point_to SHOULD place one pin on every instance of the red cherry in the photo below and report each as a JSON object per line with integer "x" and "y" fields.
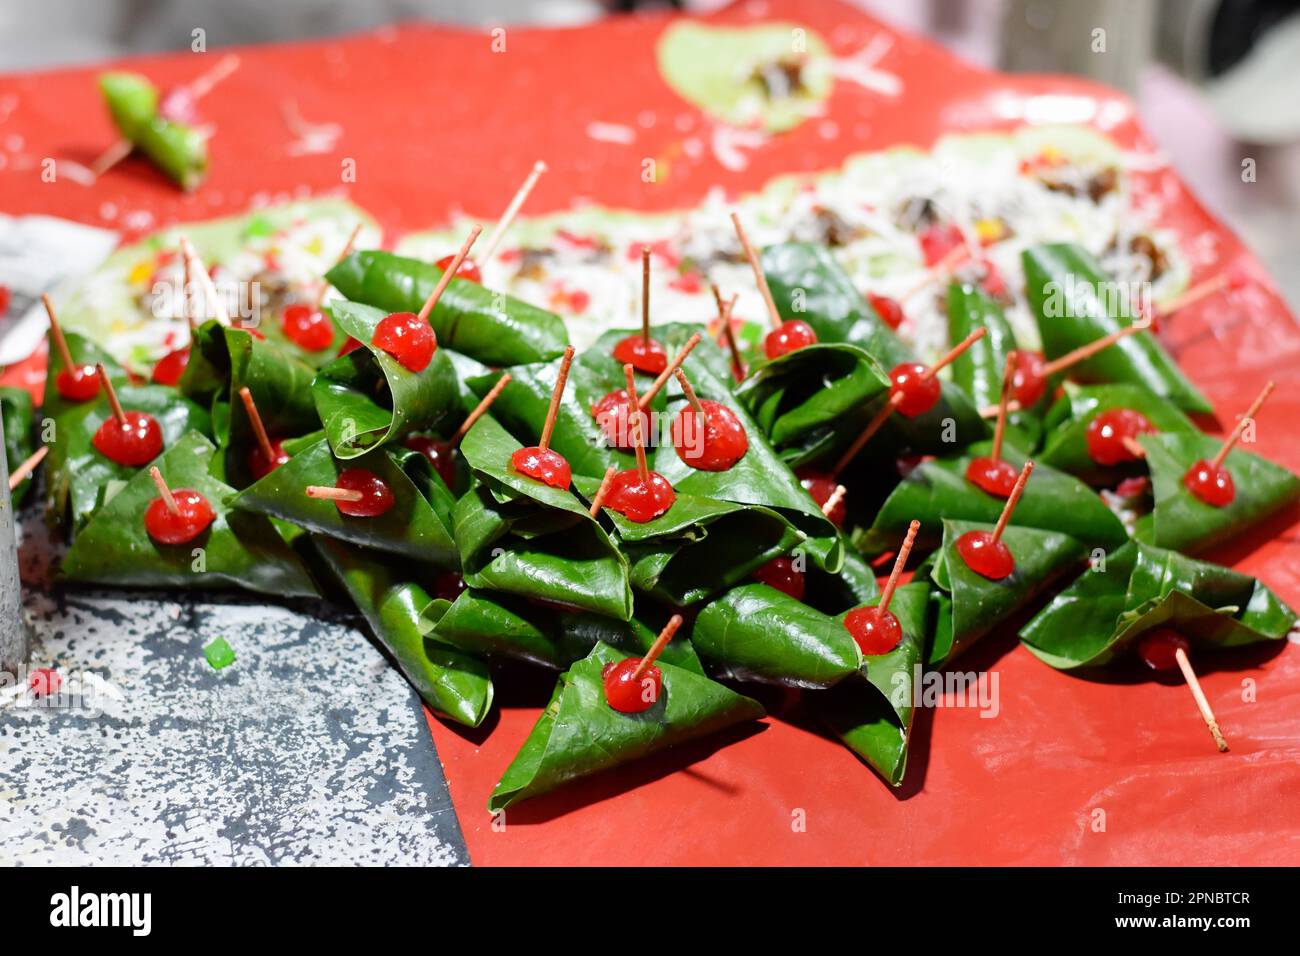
{"x": 193, "y": 515}
{"x": 821, "y": 486}
{"x": 307, "y": 328}
{"x": 134, "y": 442}
{"x": 890, "y": 312}
{"x": 1157, "y": 648}
{"x": 793, "y": 334}
{"x": 259, "y": 467}
{"x": 376, "y": 498}
{"x": 780, "y": 573}
{"x": 920, "y": 394}
{"x": 644, "y": 355}
{"x": 79, "y": 384}
{"x": 1028, "y": 383}
{"x": 349, "y": 345}
{"x": 938, "y": 241}
{"x": 997, "y": 477}
{"x": 44, "y": 681}
{"x": 986, "y": 557}
{"x": 613, "y": 415}
{"x": 626, "y": 695}
{"x": 548, "y": 467}
{"x": 171, "y": 367}
{"x": 715, "y": 447}
{"x": 407, "y": 338}
{"x": 992, "y": 282}
{"x": 468, "y": 268}
{"x": 1211, "y": 483}
{"x": 439, "y": 453}
{"x": 874, "y": 630}
{"x": 449, "y": 585}
{"x": 1107, "y": 431}
{"x": 638, "y": 500}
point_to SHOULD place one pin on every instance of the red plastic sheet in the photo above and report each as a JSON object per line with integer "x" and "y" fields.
{"x": 1069, "y": 771}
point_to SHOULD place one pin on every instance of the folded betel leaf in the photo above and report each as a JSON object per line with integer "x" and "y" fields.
{"x": 486, "y": 622}
{"x": 808, "y": 284}
{"x": 391, "y": 595}
{"x": 579, "y": 734}
{"x": 979, "y": 370}
{"x": 19, "y": 443}
{"x": 1184, "y": 522}
{"x": 367, "y": 397}
{"x": 178, "y": 149}
{"x": 418, "y": 525}
{"x": 238, "y": 549}
{"x": 969, "y": 605}
{"x": 1098, "y": 619}
{"x": 79, "y": 478}
{"x": 803, "y": 399}
{"x": 1076, "y": 303}
{"x": 939, "y": 488}
{"x": 700, "y": 546}
{"x": 225, "y": 360}
{"x": 872, "y": 714}
{"x": 488, "y": 326}
{"x": 760, "y": 478}
{"x": 755, "y": 632}
{"x": 1066, "y": 425}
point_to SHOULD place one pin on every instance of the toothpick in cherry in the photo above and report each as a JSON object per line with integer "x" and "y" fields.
{"x": 785, "y": 336}
{"x": 1164, "y": 649}
{"x": 442, "y": 454}
{"x": 74, "y": 382}
{"x": 307, "y": 325}
{"x": 639, "y": 494}
{"x": 128, "y": 438}
{"x": 634, "y": 684}
{"x": 641, "y": 351}
{"x": 540, "y": 462}
{"x": 991, "y": 473}
{"x": 985, "y": 552}
{"x": 465, "y": 268}
{"x": 1211, "y": 481}
{"x": 876, "y": 629}
{"x": 176, "y": 516}
{"x": 707, "y": 435}
{"x": 356, "y": 492}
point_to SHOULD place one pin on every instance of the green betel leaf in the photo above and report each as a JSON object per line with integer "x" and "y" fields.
{"x": 483, "y": 622}
{"x": 579, "y": 734}
{"x": 755, "y": 632}
{"x": 540, "y": 553}
{"x": 873, "y": 715}
{"x": 79, "y": 480}
{"x": 1185, "y": 523}
{"x": 1098, "y": 618}
{"x": 367, "y": 397}
{"x": 178, "y": 150}
{"x": 225, "y": 360}
{"x": 417, "y": 526}
{"x": 19, "y": 438}
{"x": 393, "y": 600}
{"x": 970, "y": 605}
{"x": 1065, "y": 446}
{"x": 488, "y": 326}
{"x": 238, "y": 549}
{"x": 1075, "y": 303}
{"x": 938, "y": 489}
{"x": 802, "y": 399}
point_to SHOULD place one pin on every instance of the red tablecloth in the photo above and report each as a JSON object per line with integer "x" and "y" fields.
{"x": 1070, "y": 770}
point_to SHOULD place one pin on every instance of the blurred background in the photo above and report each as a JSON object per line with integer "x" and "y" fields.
{"x": 1216, "y": 81}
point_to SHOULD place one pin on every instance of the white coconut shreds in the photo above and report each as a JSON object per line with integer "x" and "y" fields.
{"x": 585, "y": 263}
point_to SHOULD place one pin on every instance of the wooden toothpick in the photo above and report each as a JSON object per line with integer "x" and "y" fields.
{"x": 556, "y": 394}
{"x": 1014, "y": 497}
{"x": 29, "y": 464}
{"x": 259, "y": 430}
{"x": 113, "y": 403}
{"x": 759, "y": 278}
{"x": 480, "y": 410}
{"x": 1075, "y": 356}
{"x": 1202, "y": 703}
{"x": 668, "y": 372}
{"x": 887, "y": 594}
{"x": 330, "y": 493}
{"x": 347, "y": 251}
{"x": 657, "y": 647}
{"x": 999, "y": 430}
{"x": 873, "y": 426}
{"x": 634, "y": 422}
{"x": 448, "y": 274}
{"x": 205, "y": 280}
{"x": 1242, "y": 422}
{"x": 507, "y": 217}
{"x": 56, "y": 333}
{"x": 691, "y": 397}
{"x": 645, "y": 294}
{"x": 164, "y": 492}
{"x": 952, "y": 354}
{"x": 598, "y": 501}
{"x": 729, "y": 334}
{"x": 833, "y": 502}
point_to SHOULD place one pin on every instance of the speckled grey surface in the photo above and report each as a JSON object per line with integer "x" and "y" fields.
{"x": 309, "y": 749}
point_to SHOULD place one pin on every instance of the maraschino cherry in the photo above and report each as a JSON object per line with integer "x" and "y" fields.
{"x": 634, "y": 684}
{"x": 266, "y": 455}
{"x": 442, "y": 454}
{"x": 75, "y": 383}
{"x": 782, "y": 574}
{"x": 824, "y": 487}
{"x": 356, "y": 492}
{"x": 540, "y": 462}
{"x": 940, "y": 242}
{"x": 1210, "y": 481}
{"x": 126, "y": 437}
{"x": 307, "y": 327}
{"x": 889, "y": 310}
{"x": 992, "y": 473}
{"x": 876, "y": 629}
{"x": 171, "y": 367}
{"x": 706, "y": 434}
{"x": 1112, "y": 436}
{"x": 786, "y": 336}
{"x": 640, "y": 351}
{"x": 613, "y": 411}
{"x": 466, "y": 268}
{"x": 1163, "y": 649}
{"x": 449, "y": 585}
{"x": 176, "y": 516}
{"x": 985, "y": 552}
{"x": 639, "y": 494}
